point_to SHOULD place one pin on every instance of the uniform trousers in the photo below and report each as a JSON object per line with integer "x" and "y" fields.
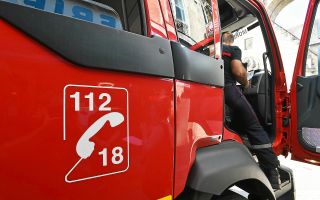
{"x": 251, "y": 126}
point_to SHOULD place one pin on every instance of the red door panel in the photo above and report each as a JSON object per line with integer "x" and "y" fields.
{"x": 199, "y": 123}
{"x": 35, "y": 157}
{"x": 305, "y": 97}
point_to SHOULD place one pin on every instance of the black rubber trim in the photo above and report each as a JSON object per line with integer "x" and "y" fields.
{"x": 218, "y": 167}
{"x": 196, "y": 67}
{"x": 91, "y": 45}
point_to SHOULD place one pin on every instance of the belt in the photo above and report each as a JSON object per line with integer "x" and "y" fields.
{"x": 229, "y": 84}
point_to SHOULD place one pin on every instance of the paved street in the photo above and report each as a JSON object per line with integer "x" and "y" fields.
{"x": 307, "y": 178}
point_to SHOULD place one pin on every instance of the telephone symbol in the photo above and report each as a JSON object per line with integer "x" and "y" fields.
{"x": 85, "y": 147}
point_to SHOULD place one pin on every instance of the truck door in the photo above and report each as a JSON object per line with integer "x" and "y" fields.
{"x": 305, "y": 92}
{"x": 87, "y": 103}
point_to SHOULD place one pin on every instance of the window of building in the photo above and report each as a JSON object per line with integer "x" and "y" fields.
{"x": 248, "y": 43}
{"x": 180, "y": 15}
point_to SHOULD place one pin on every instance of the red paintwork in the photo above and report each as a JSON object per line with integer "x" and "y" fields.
{"x": 202, "y": 43}
{"x": 199, "y": 116}
{"x": 33, "y": 155}
{"x": 298, "y": 152}
{"x": 169, "y": 119}
{"x": 229, "y": 135}
{"x": 216, "y": 29}
{"x": 155, "y": 21}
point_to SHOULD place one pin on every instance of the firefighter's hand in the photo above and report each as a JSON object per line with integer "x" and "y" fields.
{"x": 246, "y": 86}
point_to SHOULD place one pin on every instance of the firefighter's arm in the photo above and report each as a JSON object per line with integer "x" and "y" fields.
{"x": 239, "y": 72}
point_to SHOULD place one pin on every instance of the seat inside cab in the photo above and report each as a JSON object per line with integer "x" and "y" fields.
{"x": 240, "y": 20}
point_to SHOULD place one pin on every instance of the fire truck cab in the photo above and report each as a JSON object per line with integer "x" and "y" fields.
{"x": 123, "y": 99}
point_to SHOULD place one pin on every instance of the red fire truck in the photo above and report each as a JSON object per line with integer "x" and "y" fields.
{"x": 123, "y": 99}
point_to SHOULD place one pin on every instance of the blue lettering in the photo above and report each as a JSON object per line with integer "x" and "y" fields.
{"x": 59, "y": 7}
{"x": 35, "y": 3}
{"x": 82, "y": 13}
{"x": 108, "y": 21}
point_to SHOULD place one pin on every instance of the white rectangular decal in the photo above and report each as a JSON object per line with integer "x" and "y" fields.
{"x": 96, "y": 130}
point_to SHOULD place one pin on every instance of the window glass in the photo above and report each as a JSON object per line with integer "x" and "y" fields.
{"x": 312, "y": 60}
{"x": 123, "y": 15}
{"x": 129, "y": 12}
{"x": 134, "y": 17}
{"x": 250, "y": 40}
{"x": 288, "y": 25}
{"x": 193, "y": 19}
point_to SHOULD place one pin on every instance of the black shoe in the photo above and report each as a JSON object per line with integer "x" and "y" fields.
{"x": 274, "y": 178}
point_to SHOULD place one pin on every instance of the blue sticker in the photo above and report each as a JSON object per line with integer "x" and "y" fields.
{"x": 108, "y": 21}
{"x": 59, "y": 7}
{"x": 82, "y": 13}
{"x": 35, "y": 3}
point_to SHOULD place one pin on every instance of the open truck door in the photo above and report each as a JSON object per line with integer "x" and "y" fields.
{"x": 305, "y": 93}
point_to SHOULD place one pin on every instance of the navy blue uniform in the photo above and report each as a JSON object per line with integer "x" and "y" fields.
{"x": 230, "y": 53}
{"x": 235, "y": 99}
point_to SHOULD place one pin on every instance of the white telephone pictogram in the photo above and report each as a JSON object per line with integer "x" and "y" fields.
{"x": 84, "y": 146}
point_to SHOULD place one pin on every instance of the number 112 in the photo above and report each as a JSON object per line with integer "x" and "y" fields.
{"x": 90, "y": 97}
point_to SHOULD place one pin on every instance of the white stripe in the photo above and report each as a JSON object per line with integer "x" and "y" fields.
{"x": 261, "y": 146}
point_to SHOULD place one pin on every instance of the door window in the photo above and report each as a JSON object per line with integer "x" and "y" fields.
{"x": 250, "y": 40}
{"x": 288, "y": 27}
{"x": 193, "y": 20}
{"x": 122, "y": 15}
{"x": 312, "y": 59}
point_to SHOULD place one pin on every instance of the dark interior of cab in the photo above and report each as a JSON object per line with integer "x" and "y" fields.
{"x": 235, "y": 16}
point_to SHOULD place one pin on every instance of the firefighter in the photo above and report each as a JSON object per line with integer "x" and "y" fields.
{"x": 235, "y": 72}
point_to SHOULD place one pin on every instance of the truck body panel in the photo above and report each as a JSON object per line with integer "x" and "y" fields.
{"x": 92, "y": 109}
